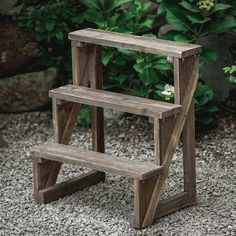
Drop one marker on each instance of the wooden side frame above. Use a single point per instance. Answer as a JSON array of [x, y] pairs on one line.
[[147, 204], [86, 68]]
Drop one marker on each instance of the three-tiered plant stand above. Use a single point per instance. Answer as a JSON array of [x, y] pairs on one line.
[[170, 120]]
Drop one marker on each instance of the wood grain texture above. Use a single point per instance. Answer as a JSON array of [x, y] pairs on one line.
[[136, 43], [182, 72], [80, 63], [172, 204], [61, 119], [95, 160], [142, 195], [143, 189], [172, 144], [41, 171], [125, 103], [96, 82], [70, 186], [163, 130]]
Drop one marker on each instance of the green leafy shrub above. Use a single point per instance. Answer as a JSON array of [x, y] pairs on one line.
[[203, 104], [137, 73], [51, 21], [191, 21], [230, 71], [85, 116]]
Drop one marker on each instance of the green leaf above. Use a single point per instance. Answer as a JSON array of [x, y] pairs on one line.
[[146, 6], [148, 23], [209, 93], [197, 20], [106, 57], [181, 37], [190, 6], [91, 14], [232, 79], [77, 19], [59, 36], [208, 54], [50, 25], [141, 92], [175, 18], [160, 86], [92, 4], [219, 26], [220, 7], [116, 4], [121, 78], [85, 116], [139, 68], [148, 77], [202, 100], [160, 66], [120, 60], [161, 9]]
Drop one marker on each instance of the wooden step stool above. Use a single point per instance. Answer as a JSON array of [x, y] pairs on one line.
[[170, 120]]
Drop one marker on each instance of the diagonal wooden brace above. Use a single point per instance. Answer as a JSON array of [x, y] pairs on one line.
[[153, 204]]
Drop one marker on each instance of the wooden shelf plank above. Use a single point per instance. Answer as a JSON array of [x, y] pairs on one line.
[[136, 43], [95, 160], [116, 101]]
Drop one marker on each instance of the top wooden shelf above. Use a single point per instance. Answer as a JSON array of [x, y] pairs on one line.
[[136, 43]]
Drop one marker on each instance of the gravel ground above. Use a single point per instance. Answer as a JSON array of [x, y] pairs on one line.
[[104, 209]]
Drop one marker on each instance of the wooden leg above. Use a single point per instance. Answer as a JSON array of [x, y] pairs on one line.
[[179, 125], [41, 171], [143, 189], [162, 133], [142, 195], [189, 156], [183, 72], [96, 81]]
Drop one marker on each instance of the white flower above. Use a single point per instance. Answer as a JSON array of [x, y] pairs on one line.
[[166, 93], [168, 90]]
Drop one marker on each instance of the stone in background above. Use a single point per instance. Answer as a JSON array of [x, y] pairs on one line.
[[6, 6], [27, 92]]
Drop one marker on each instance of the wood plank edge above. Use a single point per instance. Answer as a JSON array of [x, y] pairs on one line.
[[69, 187], [161, 115], [86, 39], [173, 204]]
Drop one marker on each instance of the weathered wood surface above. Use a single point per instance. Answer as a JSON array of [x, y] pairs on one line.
[[142, 195], [122, 102], [172, 204], [41, 171], [70, 186], [182, 71], [163, 130], [187, 101], [96, 82], [95, 160], [137, 43]]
